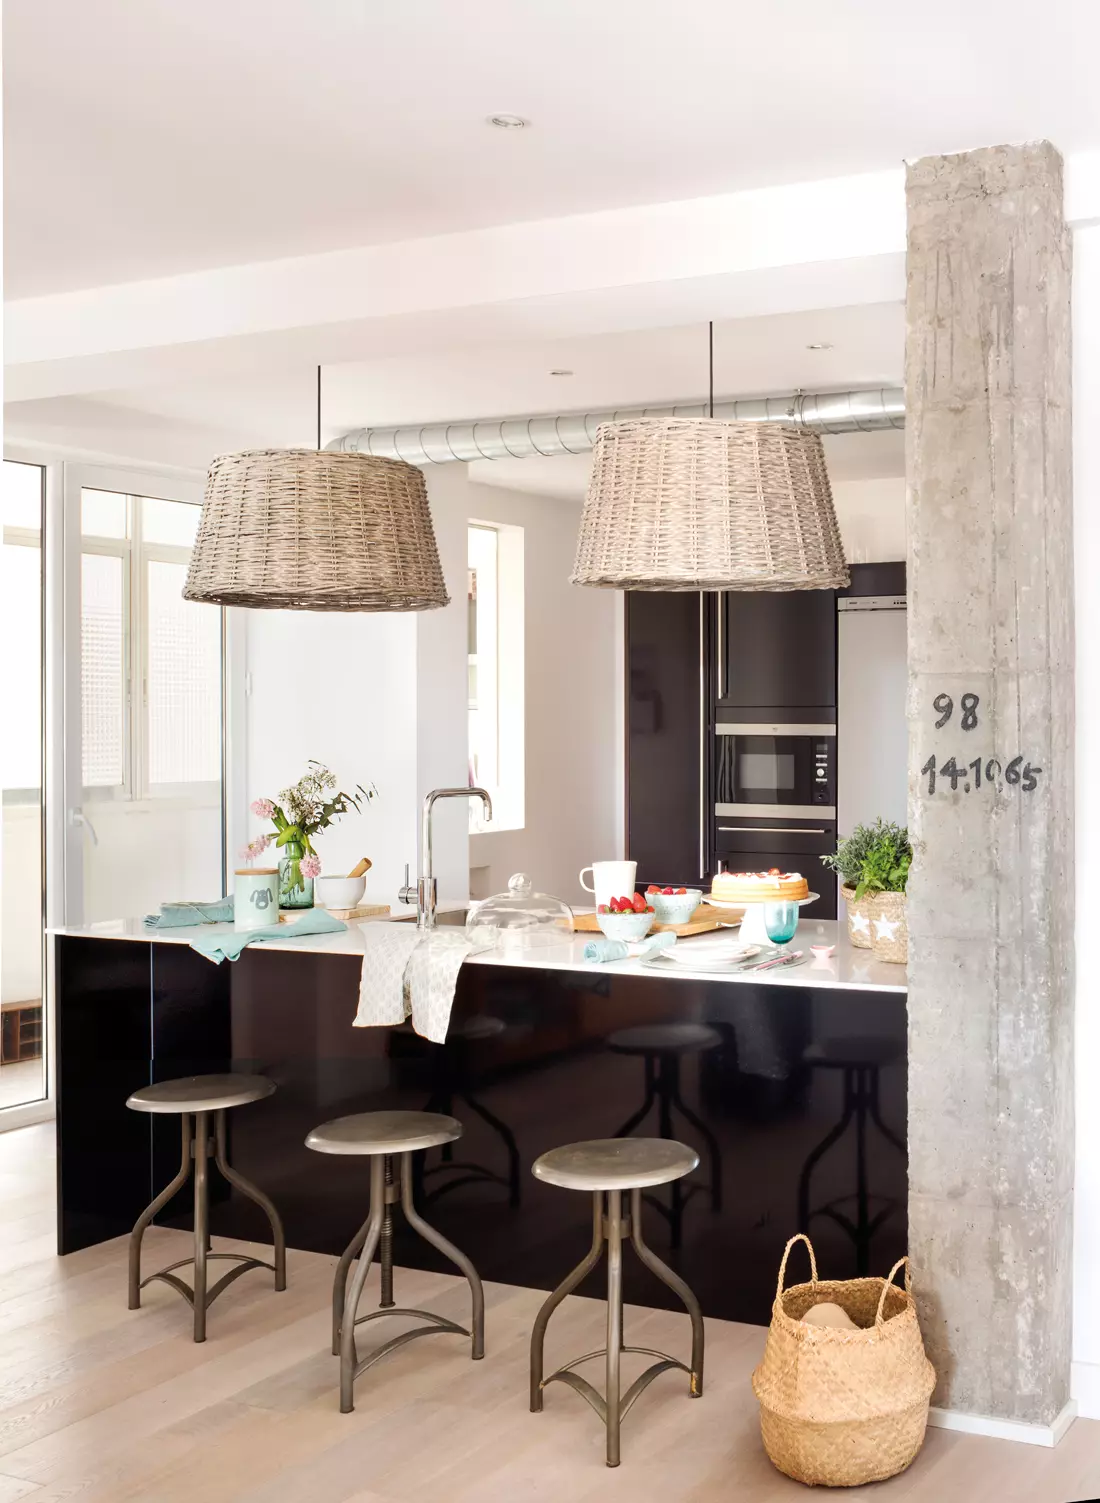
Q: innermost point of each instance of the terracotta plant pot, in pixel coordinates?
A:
(861, 916)
(890, 928)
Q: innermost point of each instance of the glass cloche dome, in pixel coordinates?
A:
(520, 919)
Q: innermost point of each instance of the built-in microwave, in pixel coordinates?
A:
(782, 771)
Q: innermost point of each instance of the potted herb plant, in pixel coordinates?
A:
(303, 811)
(871, 862)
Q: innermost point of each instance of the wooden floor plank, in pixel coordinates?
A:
(100, 1404)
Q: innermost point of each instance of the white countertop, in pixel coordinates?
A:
(846, 967)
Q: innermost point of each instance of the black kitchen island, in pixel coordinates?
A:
(792, 1090)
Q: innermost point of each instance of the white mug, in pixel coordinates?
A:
(255, 897)
(610, 879)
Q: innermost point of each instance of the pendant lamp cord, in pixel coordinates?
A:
(318, 409)
(710, 358)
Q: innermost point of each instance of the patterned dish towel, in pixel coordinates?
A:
(407, 973)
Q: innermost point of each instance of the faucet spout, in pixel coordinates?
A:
(425, 887)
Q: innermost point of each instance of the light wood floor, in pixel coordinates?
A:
(103, 1405)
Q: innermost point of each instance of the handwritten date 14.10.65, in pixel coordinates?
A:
(1016, 773)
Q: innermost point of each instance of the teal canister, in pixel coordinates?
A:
(256, 897)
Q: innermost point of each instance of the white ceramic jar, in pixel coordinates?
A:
(256, 897)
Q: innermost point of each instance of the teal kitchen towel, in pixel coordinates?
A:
(186, 915)
(599, 951)
(228, 944)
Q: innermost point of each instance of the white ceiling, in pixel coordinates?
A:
(142, 139)
(186, 424)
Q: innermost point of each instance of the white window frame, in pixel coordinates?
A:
(75, 478)
(509, 792)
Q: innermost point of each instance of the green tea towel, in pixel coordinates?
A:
(228, 944)
(186, 915)
(599, 951)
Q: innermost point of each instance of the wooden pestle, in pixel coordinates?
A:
(362, 869)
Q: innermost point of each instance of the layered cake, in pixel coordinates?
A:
(759, 887)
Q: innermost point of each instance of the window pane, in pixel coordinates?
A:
(22, 495)
(185, 686)
(102, 514)
(102, 655)
(174, 522)
(22, 583)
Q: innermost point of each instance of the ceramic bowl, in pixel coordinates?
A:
(339, 892)
(626, 926)
(677, 907)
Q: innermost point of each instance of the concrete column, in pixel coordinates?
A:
(991, 715)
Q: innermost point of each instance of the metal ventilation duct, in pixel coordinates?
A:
(575, 433)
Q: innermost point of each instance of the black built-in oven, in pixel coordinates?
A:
(775, 802)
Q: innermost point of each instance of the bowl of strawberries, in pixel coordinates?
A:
(626, 918)
(674, 905)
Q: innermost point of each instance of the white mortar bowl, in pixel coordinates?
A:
(339, 892)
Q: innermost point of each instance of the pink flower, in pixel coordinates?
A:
(255, 848)
(310, 866)
(263, 808)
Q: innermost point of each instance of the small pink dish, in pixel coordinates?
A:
(823, 950)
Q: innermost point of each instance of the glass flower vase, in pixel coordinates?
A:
(295, 891)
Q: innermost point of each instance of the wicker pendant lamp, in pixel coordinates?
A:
(308, 530)
(695, 504)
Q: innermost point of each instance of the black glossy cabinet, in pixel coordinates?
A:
(776, 652)
(665, 814)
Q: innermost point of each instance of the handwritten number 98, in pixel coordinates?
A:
(945, 706)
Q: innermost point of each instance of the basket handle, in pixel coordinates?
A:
(888, 1283)
(798, 1237)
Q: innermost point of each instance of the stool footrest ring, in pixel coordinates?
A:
(167, 1275)
(589, 1392)
(438, 1325)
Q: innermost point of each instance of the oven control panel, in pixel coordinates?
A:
(821, 789)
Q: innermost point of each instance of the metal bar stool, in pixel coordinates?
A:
(662, 1047)
(608, 1167)
(387, 1137)
(198, 1096)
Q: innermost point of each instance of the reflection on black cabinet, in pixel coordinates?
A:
(778, 650)
(664, 811)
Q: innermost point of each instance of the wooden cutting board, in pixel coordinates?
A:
(364, 911)
(702, 921)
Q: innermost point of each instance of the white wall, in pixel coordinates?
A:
(342, 689)
(385, 698)
(574, 687)
(1086, 489)
(871, 517)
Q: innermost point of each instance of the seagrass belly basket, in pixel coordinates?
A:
(843, 1407)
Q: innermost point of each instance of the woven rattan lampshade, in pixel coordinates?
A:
(695, 504)
(313, 530)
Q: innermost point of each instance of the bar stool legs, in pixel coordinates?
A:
(195, 1159)
(611, 1227)
(375, 1235)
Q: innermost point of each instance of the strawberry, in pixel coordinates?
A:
(638, 903)
(653, 888)
(603, 908)
(666, 892)
(650, 909)
(681, 892)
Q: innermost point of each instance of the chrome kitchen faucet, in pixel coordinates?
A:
(425, 887)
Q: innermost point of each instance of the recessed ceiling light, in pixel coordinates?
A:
(561, 373)
(508, 122)
(823, 346)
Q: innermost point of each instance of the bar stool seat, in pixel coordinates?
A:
(608, 1168)
(615, 1164)
(196, 1097)
(384, 1132)
(389, 1139)
(200, 1093)
(664, 1038)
